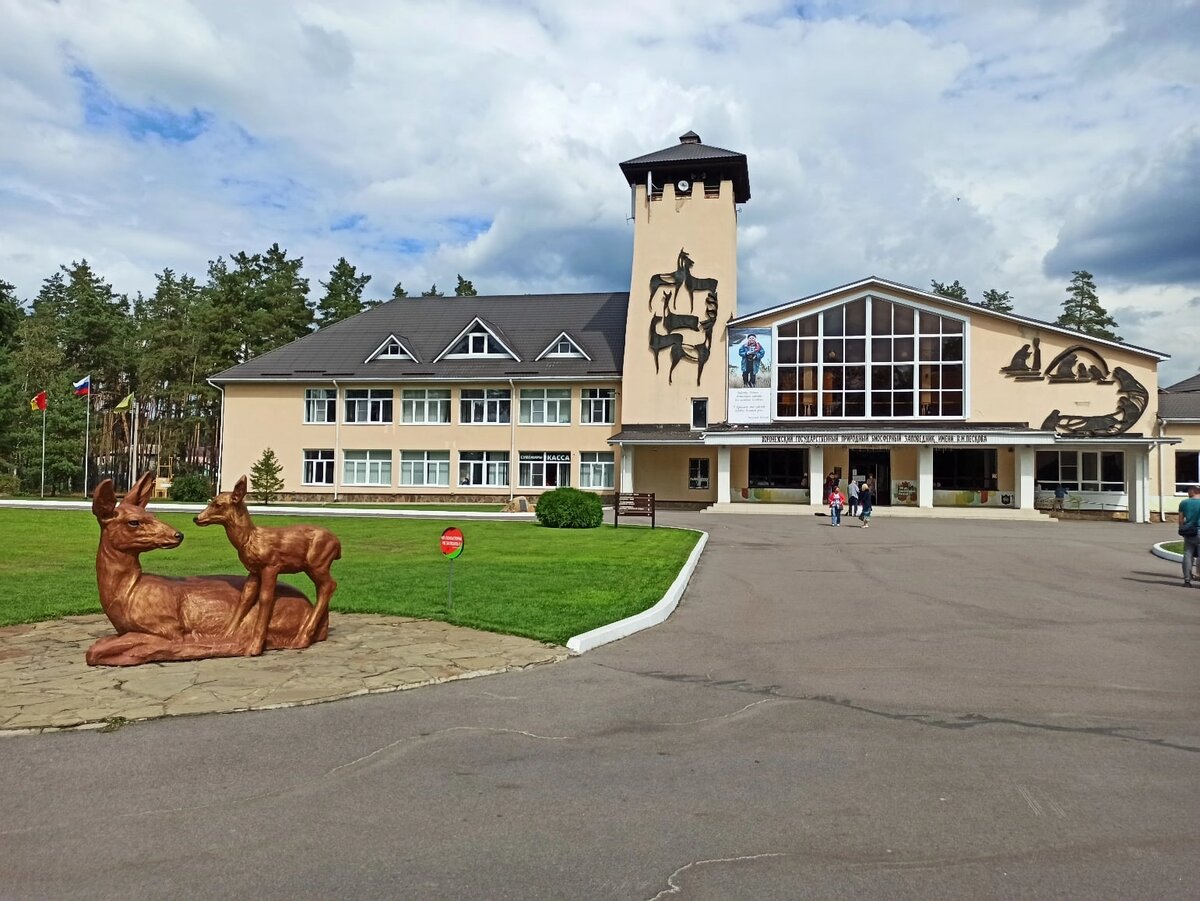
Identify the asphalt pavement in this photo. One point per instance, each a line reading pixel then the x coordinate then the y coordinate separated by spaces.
pixel 925 709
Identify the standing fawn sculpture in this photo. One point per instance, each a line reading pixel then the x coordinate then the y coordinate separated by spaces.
pixel 159 618
pixel 267 552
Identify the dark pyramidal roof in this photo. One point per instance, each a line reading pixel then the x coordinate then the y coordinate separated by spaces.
pixel 427 325
pixel 694 160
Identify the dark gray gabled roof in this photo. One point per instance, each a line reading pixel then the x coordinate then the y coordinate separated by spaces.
pixel 1181 400
pixel 527 323
pixel 1188 384
pixel 695 161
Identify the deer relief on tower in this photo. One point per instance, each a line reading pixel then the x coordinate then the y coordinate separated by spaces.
pixel 683 310
pixel 1080 364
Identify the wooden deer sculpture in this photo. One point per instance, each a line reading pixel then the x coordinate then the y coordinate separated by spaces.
pixel 267 552
pixel 159 618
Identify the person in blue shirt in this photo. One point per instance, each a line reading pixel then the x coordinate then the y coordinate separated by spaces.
pixel 752 354
pixel 1189 530
pixel 1060 497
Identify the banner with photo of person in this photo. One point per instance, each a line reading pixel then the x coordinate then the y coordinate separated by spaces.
pixel 750 365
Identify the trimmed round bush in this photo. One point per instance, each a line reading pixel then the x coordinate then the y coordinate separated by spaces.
pixel 569 508
pixel 190 486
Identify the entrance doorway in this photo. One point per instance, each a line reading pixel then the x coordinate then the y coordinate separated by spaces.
pixel 878 463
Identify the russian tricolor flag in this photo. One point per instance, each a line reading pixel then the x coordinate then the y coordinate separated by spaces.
pixel 83 387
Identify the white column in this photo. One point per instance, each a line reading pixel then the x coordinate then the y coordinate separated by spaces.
pixel 816 476
pixel 723 492
pixel 925 476
pixel 627 468
pixel 1024 474
pixel 1136 489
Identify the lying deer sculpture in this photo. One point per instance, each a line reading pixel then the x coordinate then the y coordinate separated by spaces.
pixel 159 618
pixel 267 552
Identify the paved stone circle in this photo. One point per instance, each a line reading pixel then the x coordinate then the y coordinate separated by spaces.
pixel 45 684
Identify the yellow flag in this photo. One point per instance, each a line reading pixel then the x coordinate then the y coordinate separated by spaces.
pixel 124 404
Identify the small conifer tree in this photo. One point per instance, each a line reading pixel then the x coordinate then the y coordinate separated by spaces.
pixel 265 480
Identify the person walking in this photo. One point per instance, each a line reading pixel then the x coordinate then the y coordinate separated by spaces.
pixel 852 492
pixel 836 501
pixel 1189 531
pixel 866 501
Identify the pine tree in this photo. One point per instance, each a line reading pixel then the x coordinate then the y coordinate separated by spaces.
pixel 398 291
pixel 433 292
pixel 957 291
pixel 1082 311
pixel 465 288
pixel 1000 301
pixel 343 294
pixel 265 479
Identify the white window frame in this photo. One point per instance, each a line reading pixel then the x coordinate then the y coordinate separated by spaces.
pixel 699 473
pixel 425 468
pixel 699 406
pixel 416 403
pixel 367 468
pixel 316 460
pixel 1077 462
pixel 483 469
pixel 597 463
pixel 374 406
pixel 493 404
pixel 532 467
pixel 602 399
pixel 564 347
pixel 481 344
pixel 539 407
pixel 321 401
pixel 392 349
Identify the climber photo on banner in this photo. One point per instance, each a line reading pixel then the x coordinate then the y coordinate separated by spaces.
pixel 750 358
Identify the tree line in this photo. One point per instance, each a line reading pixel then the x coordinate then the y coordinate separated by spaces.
pixel 1081 309
pixel 149 357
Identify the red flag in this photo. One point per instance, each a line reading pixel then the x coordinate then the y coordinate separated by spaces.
pixel 38 402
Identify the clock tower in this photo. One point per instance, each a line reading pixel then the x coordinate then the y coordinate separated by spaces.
pixel 683 287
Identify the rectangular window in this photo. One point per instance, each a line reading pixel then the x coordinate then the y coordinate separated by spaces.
pixel 484 406
pixel 373 405
pixel 698 472
pixel 320 405
pixel 596 469
pixel 318 467
pixel 483 468
pixel 372 467
pixel 964 470
pixel 545 406
pixel 598 406
pixel 699 412
pixel 1187 470
pixel 421 406
pixel 425 468
pixel 1081 470
pixel 544 469
pixel 778 468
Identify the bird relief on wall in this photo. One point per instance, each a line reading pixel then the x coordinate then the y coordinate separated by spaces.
pixel 1080 364
pixel 675 325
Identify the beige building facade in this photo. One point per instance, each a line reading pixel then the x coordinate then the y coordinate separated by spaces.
pixel 668 389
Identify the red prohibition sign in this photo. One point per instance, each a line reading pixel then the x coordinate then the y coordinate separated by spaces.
pixel 452 543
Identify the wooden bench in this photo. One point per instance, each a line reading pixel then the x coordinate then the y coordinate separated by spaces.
pixel 630 504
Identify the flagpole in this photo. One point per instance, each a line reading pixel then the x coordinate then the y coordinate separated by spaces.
pixel 87 439
pixel 43 451
pixel 133 446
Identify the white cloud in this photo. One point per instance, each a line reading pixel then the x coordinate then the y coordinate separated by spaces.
pixel 912 140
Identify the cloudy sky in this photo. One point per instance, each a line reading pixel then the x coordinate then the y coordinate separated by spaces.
pixel 1003 144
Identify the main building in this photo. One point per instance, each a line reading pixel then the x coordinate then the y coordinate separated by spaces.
pixel 669 389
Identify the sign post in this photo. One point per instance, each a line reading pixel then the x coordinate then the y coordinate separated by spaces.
pixel 452 546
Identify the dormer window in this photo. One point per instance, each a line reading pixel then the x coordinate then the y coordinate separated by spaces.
pixel 563 348
pixel 392 349
pixel 478 341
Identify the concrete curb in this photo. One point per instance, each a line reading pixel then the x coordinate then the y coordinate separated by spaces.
pixel 647 618
pixel 1159 551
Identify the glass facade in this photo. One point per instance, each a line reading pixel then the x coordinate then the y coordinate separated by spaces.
pixel 870 358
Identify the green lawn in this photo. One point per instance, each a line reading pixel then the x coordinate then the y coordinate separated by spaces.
pixel 513 577
pixel 1175 547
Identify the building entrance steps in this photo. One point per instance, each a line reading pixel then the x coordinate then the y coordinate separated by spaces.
pixel 893 512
